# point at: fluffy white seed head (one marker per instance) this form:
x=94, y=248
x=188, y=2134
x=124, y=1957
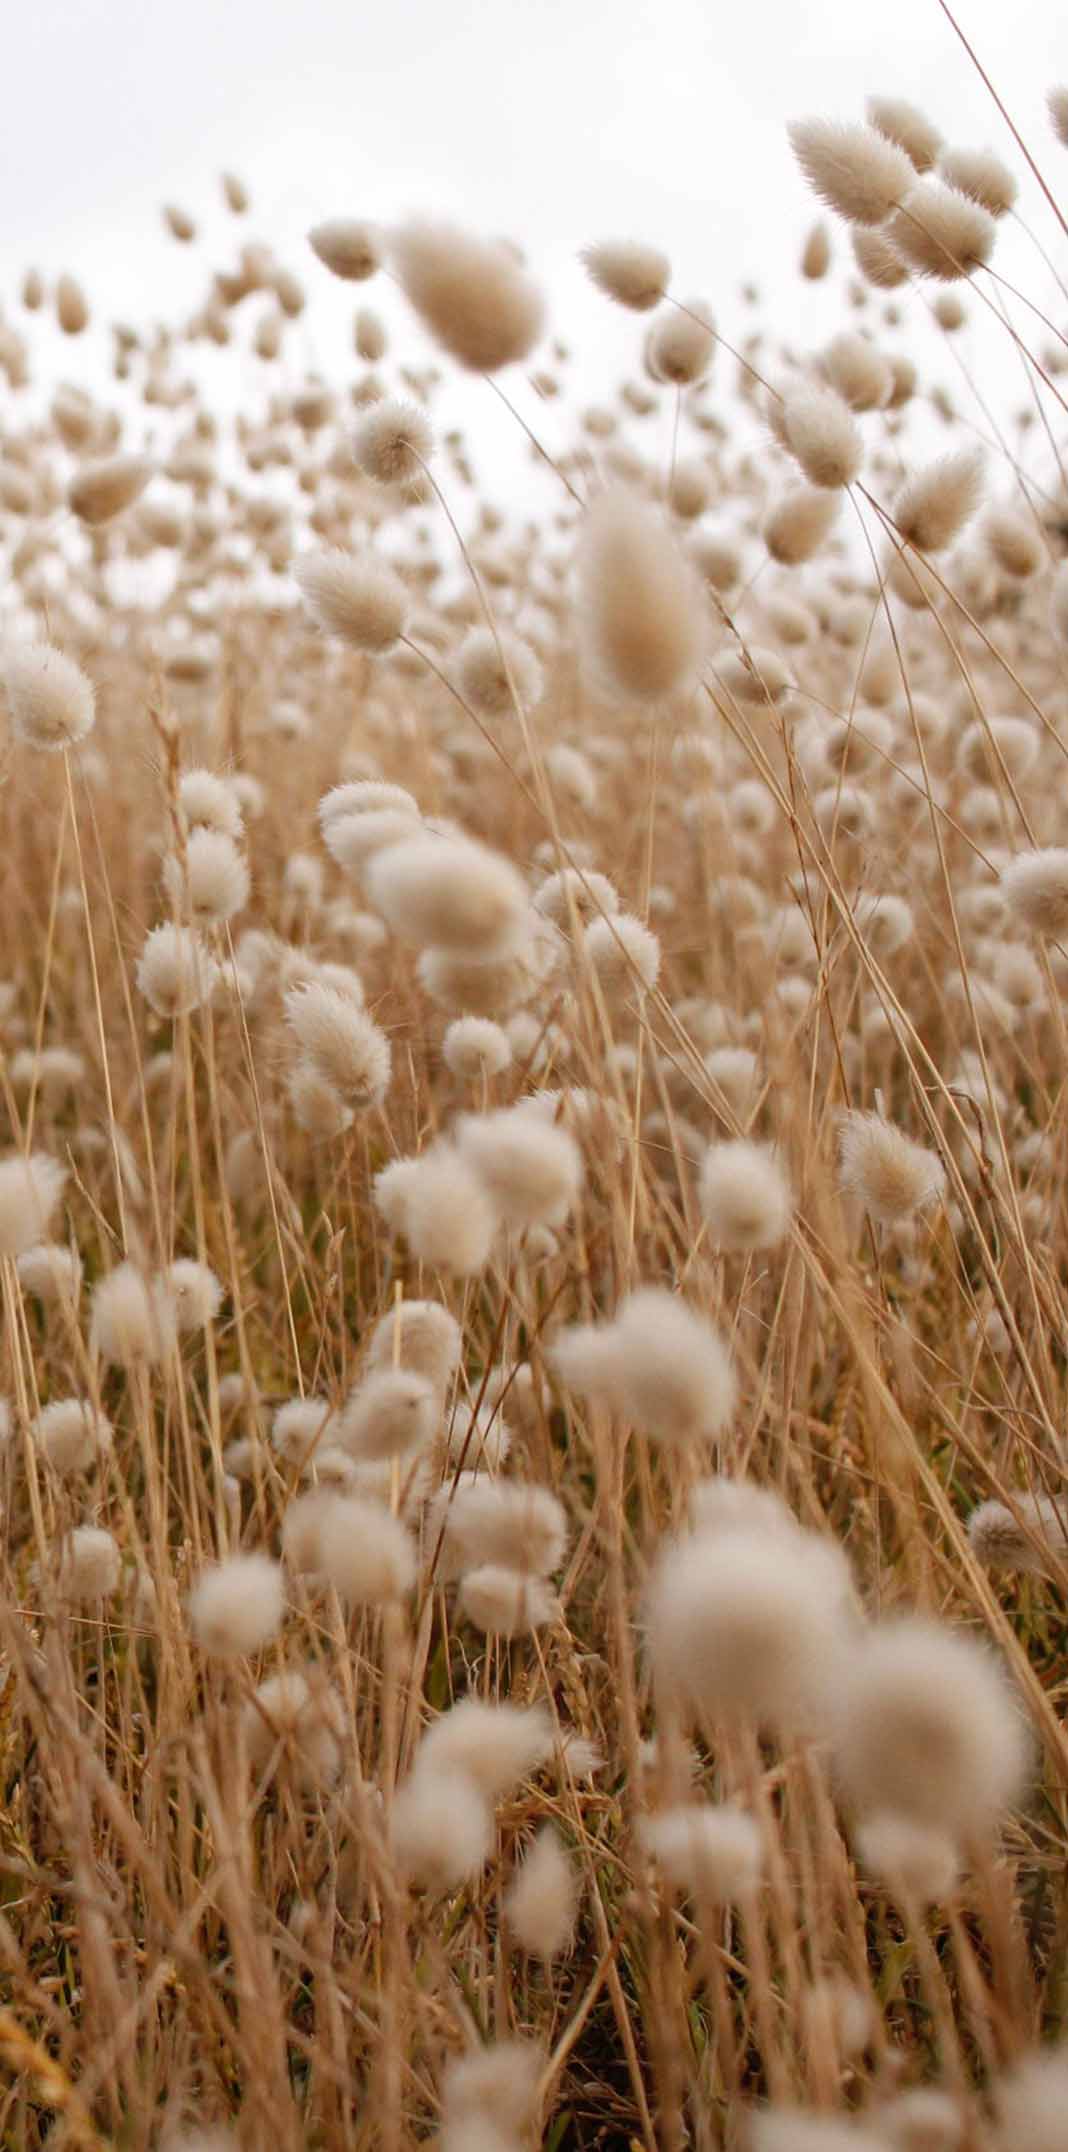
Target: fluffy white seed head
x=926, y=1728
x=499, y=2082
x=982, y=176
x=365, y=1553
x=132, y=1320
x=624, y=953
x=934, y=505
x=393, y=442
x=855, y=170
x=540, y=1905
x=441, y=1830
x=365, y=795
x=575, y=894
x=822, y=434
x=858, y=371
x=102, y=489
x=449, y=893
x=884, y=1171
x=195, y=1294
x=530, y=1169
x=505, y=1602
x=639, y=612
x=494, y=1745
x=299, y=1427
x=1057, y=107
x=348, y=247
x=680, y=344
x=211, y=884
x=357, y=598
x=473, y=295
x=175, y=972
x=30, y=1189
x=420, y=1335
x=236, y=1606
x=297, y=1717
x=1030, y=2100
x=911, y=129
x=51, y=1271
x=921, y=2119
x=90, y=1565
x=207, y=802
x=345, y=1047
x=478, y=1436
x=658, y=1364
x=941, y=233
x=751, y=1627
x=799, y=524
x=745, y=1196
x=475, y=1048
x=633, y=274
x=1031, y=1538
x=500, y=1524
x=443, y=1208
x=494, y=670
x=1015, y=543
x=714, y=1854
x=50, y=701
x=71, y=1435
x=393, y=1413
x=917, y=1864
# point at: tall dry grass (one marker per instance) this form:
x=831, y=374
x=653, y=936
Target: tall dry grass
x=625, y=1709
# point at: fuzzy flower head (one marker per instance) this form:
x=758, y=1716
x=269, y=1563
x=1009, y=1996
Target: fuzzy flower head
x=101, y=490
x=856, y=170
x=658, y=1364
x=639, y=612
x=750, y=1626
x=30, y=1189
x=884, y=1171
x=632, y=274
x=51, y=702
x=360, y=600
x=420, y=1335
x=744, y=1196
x=1035, y=889
x=175, y=972
x=132, y=1320
x=393, y=443
x=714, y=1854
x=541, y=1902
x=495, y=670
x=211, y=884
x=346, y=1048
x=473, y=295
x=236, y=1606
x=927, y=1728
x=448, y=892
x=530, y=1169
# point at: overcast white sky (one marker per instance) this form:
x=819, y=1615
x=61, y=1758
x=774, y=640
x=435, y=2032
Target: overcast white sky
x=555, y=120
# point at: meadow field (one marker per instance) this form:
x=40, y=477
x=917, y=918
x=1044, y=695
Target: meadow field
x=533, y=1225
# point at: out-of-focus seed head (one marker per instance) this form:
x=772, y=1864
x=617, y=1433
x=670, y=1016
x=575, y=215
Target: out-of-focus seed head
x=349, y=248
x=633, y=274
x=360, y=600
x=639, y=614
x=30, y=1189
x=473, y=295
x=236, y=1606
